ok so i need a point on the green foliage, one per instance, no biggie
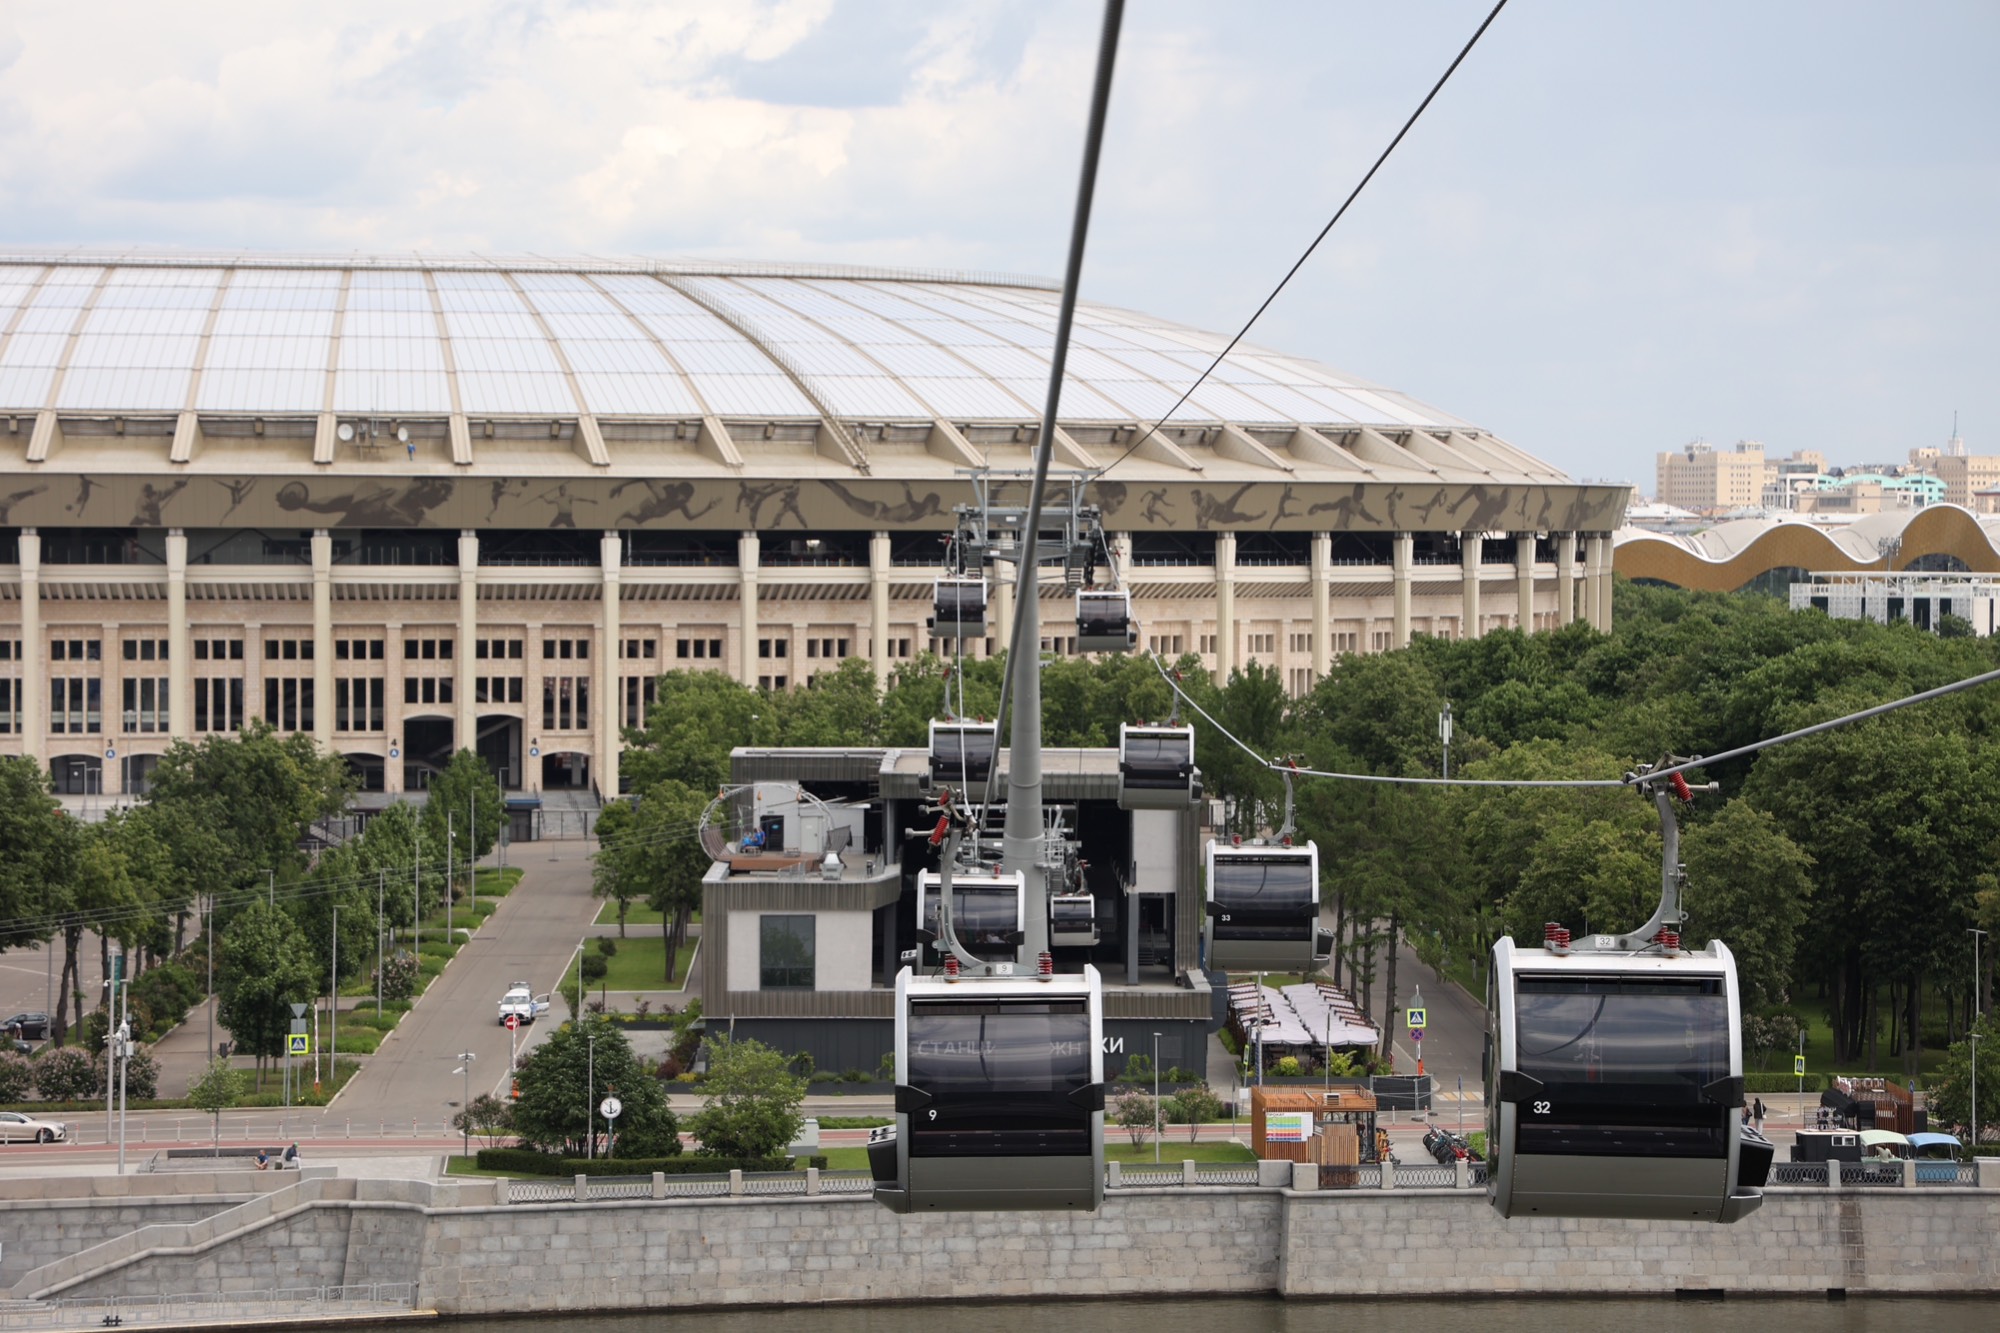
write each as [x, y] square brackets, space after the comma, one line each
[38, 847]
[648, 852]
[1136, 1114]
[1950, 1092]
[142, 1075]
[490, 1117]
[752, 1104]
[1192, 1107]
[577, 1067]
[465, 801]
[17, 1076]
[64, 1075]
[265, 967]
[1764, 1037]
[530, 1162]
[1775, 1082]
[166, 993]
[1138, 1068]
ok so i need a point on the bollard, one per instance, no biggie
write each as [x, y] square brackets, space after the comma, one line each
[1909, 1174]
[582, 1185]
[500, 1195]
[315, 1129]
[413, 1124]
[1187, 1171]
[1114, 1175]
[1388, 1173]
[1305, 1175]
[812, 1180]
[347, 1131]
[142, 1131]
[1461, 1174]
[177, 1131]
[735, 1182]
[659, 1184]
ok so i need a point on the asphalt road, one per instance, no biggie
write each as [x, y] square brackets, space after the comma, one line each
[529, 938]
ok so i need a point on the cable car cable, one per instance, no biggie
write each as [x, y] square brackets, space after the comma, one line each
[1292, 272]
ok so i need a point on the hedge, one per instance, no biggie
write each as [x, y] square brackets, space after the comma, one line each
[529, 1161]
[1776, 1083]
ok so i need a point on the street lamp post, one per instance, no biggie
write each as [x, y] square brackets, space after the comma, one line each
[1975, 1095]
[1978, 979]
[1444, 735]
[1156, 1098]
[465, 1059]
[590, 1096]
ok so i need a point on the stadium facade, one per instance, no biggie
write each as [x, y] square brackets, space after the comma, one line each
[410, 504]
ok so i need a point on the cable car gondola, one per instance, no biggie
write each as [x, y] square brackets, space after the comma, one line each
[958, 607]
[962, 751]
[1156, 767]
[1072, 921]
[987, 912]
[999, 1095]
[1104, 621]
[1615, 1085]
[1614, 1069]
[1263, 908]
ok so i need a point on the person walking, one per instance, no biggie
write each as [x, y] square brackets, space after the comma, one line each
[1757, 1114]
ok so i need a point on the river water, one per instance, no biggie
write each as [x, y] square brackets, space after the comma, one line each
[1740, 1315]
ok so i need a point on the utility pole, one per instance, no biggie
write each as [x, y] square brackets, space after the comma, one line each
[450, 838]
[417, 892]
[124, 1037]
[589, 1091]
[381, 887]
[273, 882]
[1444, 735]
[213, 1049]
[1156, 1099]
[332, 1009]
[472, 850]
[465, 1059]
[1978, 979]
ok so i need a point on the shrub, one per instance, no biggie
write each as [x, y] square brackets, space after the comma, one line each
[527, 1161]
[358, 1040]
[1138, 1068]
[142, 1075]
[166, 993]
[17, 1076]
[1287, 1067]
[399, 978]
[607, 945]
[1180, 1075]
[64, 1075]
[855, 1075]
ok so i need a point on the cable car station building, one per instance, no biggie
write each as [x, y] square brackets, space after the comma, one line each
[413, 504]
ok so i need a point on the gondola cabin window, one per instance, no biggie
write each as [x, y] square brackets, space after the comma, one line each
[1623, 1063]
[787, 952]
[999, 1075]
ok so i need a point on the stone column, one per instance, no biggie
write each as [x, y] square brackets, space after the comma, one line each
[1565, 578]
[1403, 555]
[878, 605]
[392, 708]
[112, 683]
[1225, 606]
[1470, 549]
[465, 660]
[34, 652]
[180, 644]
[322, 637]
[253, 671]
[1602, 541]
[609, 698]
[746, 576]
[531, 697]
[1593, 586]
[1321, 573]
[1524, 579]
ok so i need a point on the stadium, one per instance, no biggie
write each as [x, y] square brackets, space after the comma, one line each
[411, 504]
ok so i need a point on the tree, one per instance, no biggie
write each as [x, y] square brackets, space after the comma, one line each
[696, 719]
[1751, 886]
[1136, 1114]
[265, 967]
[565, 1078]
[38, 851]
[838, 707]
[488, 1116]
[214, 1090]
[64, 1075]
[1950, 1092]
[751, 1111]
[649, 849]
[465, 802]
[1192, 1106]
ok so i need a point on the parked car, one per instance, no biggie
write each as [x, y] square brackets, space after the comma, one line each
[522, 1003]
[18, 1128]
[27, 1027]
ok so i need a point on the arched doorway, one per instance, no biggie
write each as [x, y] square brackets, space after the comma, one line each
[77, 774]
[566, 770]
[499, 745]
[427, 748]
[136, 774]
[370, 771]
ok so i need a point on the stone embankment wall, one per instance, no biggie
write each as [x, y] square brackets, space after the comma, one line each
[472, 1256]
[43, 1218]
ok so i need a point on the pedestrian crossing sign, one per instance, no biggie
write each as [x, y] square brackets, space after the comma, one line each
[1798, 1066]
[1418, 1018]
[299, 1043]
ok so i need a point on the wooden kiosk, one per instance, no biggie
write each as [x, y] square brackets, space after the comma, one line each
[1334, 1127]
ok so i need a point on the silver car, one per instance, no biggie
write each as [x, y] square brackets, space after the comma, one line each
[18, 1128]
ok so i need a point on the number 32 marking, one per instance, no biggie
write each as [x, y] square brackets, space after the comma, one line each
[1540, 1108]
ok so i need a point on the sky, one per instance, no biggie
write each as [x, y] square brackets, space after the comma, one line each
[1619, 228]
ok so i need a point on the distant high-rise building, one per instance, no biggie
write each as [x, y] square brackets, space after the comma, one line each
[1704, 479]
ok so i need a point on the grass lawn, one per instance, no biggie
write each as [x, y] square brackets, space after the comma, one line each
[497, 883]
[638, 914]
[639, 965]
[1819, 1048]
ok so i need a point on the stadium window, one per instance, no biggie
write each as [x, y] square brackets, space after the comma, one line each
[145, 650]
[10, 706]
[75, 706]
[145, 705]
[9, 649]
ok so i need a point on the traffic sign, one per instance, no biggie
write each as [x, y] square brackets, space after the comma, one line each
[1418, 1018]
[1798, 1066]
[299, 1043]
[513, 1021]
[610, 1107]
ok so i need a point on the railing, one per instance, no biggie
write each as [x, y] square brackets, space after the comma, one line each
[1426, 1177]
[700, 1186]
[618, 1187]
[846, 1182]
[212, 1307]
[1798, 1173]
[1871, 1173]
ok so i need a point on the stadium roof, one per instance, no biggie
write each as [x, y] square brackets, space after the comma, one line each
[88, 332]
[1734, 554]
[609, 373]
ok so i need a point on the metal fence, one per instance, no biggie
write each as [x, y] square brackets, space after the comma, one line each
[1798, 1173]
[212, 1307]
[1426, 1177]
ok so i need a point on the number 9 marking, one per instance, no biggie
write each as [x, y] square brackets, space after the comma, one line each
[933, 1113]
